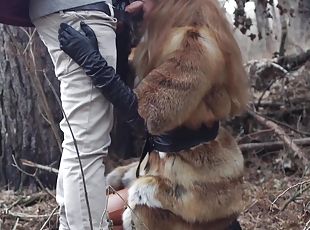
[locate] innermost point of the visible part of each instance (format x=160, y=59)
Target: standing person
x=89, y=114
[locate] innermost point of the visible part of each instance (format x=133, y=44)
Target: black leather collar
x=178, y=139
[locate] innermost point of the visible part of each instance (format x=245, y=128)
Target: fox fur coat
x=191, y=75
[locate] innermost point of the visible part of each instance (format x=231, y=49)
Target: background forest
x=274, y=134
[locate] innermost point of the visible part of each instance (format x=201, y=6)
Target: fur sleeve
x=170, y=93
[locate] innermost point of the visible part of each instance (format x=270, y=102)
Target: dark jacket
x=15, y=12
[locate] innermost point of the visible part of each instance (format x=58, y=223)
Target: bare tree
x=28, y=110
x=264, y=29
x=304, y=16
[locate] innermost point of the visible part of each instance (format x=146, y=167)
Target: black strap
x=178, y=139
x=97, y=6
x=148, y=147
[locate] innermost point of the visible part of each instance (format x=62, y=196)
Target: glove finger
x=87, y=30
x=63, y=26
x=64, y=35
x=63, y=43
x=90, y=34
x=63, y=29
x=64, y=38
x=61, y=37
x=69, y=29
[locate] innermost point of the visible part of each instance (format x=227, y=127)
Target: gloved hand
x=83, y=49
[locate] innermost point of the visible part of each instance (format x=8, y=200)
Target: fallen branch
x=282, y=135
x=24, y=215
x=289, y=127
x=27, y=200
x=38, y=166
x=272, y=146
x=293, y=62
x=283, y=63
x=257, y=68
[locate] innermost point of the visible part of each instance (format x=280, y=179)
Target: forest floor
x=264, y=181
x=277, y=182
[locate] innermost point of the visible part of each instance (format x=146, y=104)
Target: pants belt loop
x=111, y=10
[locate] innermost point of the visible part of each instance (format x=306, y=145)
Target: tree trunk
x=304, y=17
x=263, y=25
x=29, y=113
x=296, y=24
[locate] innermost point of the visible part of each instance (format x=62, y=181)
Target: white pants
x=90, y=116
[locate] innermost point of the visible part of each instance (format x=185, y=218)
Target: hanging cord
x=76, y=148
x=30, y=47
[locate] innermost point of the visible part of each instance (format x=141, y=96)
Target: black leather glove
x=83, y=49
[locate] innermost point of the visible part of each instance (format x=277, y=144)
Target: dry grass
x=26, y=210
x=265, y=179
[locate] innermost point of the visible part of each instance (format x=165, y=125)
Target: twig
x=38, y=166
x=254, y=134
x=294, y=196
x=20, y=169
x=104, y=213
x=49, y=217
x=289, y=188
x=43, y=116
x=307, y=225
x=125, y=202
x=257, y=105
x=280, y=132
x=30, y=36
x=16, y=223
x=288, y=126
x=273, y=145
x=34, y=175
x=13, y=204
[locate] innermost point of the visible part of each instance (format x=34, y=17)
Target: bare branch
x=34, y=175
x=294, y=196
x=49, y=217
x=271, y=146
x=282, y=135
x=38, y=166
